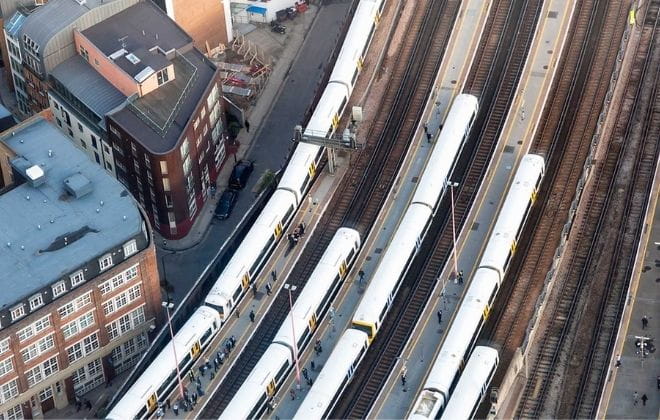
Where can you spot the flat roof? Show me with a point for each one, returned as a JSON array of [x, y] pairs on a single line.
[[36, 220], [157, 119], [86, 84]]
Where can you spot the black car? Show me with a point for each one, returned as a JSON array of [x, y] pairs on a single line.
[[225, 204], [240, 174]]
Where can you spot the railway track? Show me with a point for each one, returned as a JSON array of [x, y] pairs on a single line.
[[502, 73], [564, 138], [366, 185], [592, 285]]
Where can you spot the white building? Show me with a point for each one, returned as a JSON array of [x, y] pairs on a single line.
[[12, 29]]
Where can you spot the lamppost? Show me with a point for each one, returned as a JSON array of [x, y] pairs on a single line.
[[292, 288], [169, 305], [451, 186]]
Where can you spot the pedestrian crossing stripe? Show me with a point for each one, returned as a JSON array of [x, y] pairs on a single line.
[[195, 350], [486, 311], [514, 246], [335, 122], [312, 322], [312, 169], [152, 401], [343, 268], [271, 388], [246, 280]]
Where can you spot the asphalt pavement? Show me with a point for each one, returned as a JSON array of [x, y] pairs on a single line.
[[271, 146]]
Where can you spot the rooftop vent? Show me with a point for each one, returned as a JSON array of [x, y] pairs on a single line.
[[78, 185], [132, 58], [119, 53]]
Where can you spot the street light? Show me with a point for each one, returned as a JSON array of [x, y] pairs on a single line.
[[169, 305], [451, 186], [292, 288]]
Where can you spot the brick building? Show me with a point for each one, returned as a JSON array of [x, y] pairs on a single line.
[[78, 273], [167, 139]]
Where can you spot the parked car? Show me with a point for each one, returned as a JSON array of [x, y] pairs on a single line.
[[240, 174], [225, 203]]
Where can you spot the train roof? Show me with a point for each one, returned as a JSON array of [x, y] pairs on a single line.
[[355, 41], [332, 375], [445, 151], [327, 108], [298, 167], [391, 264], [161, 366]]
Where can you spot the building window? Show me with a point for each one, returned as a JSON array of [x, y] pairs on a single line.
[[58, 289], [83, 144], [114, 131], [35, 302], [46, 393], [166, 184], [75, 305], [83, 347], [162, 77], [185, 147], [196, 124], [168, 201], [6, 366], [34, 328], [59, 122], [77, 325], [4, 345], [126, 323], [122, 300], [17, 312], [77, 278], [163, 167], [14, 413], [105, 262], [130, 248], [41, 372], [40, 347], [8, 390], [119, 280], [80, 127], [56, 105], [84, 53]]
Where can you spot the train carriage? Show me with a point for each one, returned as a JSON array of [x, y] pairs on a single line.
[[159, 379], [335, 376], [249, 258], [472, 386]]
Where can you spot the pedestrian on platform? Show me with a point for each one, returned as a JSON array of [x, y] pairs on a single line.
[[305, 373], [273, 274], [301, 228], [618, 360], [175, 408], [268, 289], [251, 316], [428, 137], [645, 322], [198, 381], [237, 314], [439, 316], [160, 413], [247, 125], [310, 382], [201, 370], [635, 397], [403, 378], [644, 399], [254, 289], [313, 365], [360, 277], [293, 394], [167, 403], [191, 375], [232, 340], [208, 364], [460, 277]]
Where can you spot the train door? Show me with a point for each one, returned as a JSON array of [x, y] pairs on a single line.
[[245, 281], [271, 388], [343, 269], [152, 402], [195, 350], [278, 230], [312, 323]]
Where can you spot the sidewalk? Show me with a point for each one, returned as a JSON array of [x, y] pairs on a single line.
[[296, 34]]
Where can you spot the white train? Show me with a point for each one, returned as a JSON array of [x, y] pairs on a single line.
[[159, 379], [297, 329], [473, 384], [394, 264], [479, 298], [246, 263]]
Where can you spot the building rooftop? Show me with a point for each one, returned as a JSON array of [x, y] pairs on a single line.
[[68, 212], [86, 84], [158, 118], [51, 18]]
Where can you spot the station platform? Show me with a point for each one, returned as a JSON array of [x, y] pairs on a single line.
[[638, 372], [396, 400]]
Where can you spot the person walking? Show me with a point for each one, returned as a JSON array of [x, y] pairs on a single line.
[[268, 289], [635, 398], [247, 125], [293, 394], [460, 277], [403, 379], [313, 365], [439, 316], [305, 373], [167, 403], [273, 274], [644, 399], [175, 408], [360, 276], [645, 322], [251, 316], [618, 360], [254, 289]]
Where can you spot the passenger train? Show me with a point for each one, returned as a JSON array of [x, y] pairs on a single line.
[[476, 305], [395, 262], [253, 252], [472, 386], [297, 329]]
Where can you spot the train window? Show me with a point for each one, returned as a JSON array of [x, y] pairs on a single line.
[[185, 361], [257, 408], [341, 107], [206, 335], [281, 372], [355, 75], [287, 214], [474, 114], [350, 254], [303, 338], [141, 413], [237, 293], [319, 155], [382, 312]]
